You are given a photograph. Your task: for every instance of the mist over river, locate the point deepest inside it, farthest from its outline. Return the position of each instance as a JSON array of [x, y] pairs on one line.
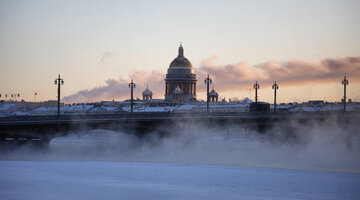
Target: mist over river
[[193, 162]]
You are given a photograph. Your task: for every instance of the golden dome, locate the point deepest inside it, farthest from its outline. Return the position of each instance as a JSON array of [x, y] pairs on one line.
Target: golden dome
[[181, 61]]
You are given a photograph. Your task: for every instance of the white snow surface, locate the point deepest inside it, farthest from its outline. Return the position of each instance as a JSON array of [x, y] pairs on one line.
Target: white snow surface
[[135, 180], [19, 113], [77, 108], [7, 106], [194, 162], [246, 100]]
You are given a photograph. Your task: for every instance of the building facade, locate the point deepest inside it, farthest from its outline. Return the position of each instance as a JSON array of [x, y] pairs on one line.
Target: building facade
[[180, 82]]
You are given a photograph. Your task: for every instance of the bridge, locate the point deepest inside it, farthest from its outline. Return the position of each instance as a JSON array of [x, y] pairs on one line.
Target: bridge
[[41, 129]]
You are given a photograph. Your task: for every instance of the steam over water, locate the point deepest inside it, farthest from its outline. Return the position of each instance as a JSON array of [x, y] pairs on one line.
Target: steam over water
[[316, 146]]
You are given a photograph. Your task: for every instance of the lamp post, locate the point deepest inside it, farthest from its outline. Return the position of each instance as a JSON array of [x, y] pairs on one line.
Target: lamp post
[[345, 82], [14, 95], [207, 81], [59, 81], [256, 87], [275, 87], [132, 86]]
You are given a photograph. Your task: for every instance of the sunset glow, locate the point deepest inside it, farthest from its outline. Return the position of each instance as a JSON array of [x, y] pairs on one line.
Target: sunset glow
[[97, 47]]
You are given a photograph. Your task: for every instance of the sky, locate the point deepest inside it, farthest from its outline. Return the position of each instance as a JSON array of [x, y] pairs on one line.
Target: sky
[[97, 46]]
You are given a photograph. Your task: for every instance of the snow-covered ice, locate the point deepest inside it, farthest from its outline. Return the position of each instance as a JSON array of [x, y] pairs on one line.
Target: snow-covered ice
[[135, 180], [194, 162]]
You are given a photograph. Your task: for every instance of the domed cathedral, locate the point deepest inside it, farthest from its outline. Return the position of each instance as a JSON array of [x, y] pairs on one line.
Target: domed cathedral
[[180, 82]]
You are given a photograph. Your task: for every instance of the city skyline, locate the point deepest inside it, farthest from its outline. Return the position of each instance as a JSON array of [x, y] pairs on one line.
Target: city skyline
[[100, 46]]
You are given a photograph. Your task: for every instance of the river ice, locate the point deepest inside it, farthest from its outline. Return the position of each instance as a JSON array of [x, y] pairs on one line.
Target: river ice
[[137, 180], [192, 163]]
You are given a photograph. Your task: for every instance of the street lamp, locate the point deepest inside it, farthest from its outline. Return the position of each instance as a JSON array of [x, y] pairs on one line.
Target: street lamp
[[275, 87], [256, 87], [132, 86], [13, 95], [207, 81], [59, 81], [345, 82]]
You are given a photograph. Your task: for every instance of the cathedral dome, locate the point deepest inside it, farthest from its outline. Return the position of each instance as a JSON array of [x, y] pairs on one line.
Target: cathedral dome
[[180, 82], [181, 61]]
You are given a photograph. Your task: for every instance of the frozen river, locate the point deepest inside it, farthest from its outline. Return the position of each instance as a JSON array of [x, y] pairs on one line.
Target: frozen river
[[194, 163], [136, 180]]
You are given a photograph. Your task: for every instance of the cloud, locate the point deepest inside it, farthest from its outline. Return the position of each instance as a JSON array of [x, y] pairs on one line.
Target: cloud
[[230, 77], [116, 89], [106, 56], [295, 72]]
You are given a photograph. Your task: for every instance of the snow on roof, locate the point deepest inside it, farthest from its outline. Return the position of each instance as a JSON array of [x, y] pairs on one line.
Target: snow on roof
[[316, 109], [281, 106], [237, 105], [19, 113], [44, 109], [6, 106], [150, 109], [185, 107], [108, 108], [77, 107], [104, 109], [246, 100]]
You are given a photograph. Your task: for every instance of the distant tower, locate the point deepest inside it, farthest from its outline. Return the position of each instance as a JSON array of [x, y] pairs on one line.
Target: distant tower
[[256, 87], [147, 94], [180, 75]]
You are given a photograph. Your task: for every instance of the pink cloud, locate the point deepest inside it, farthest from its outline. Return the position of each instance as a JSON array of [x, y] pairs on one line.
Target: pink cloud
[[295, 72], [116, 89], [231, 77]]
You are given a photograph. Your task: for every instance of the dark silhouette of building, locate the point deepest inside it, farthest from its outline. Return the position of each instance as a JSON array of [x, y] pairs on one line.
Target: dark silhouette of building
[[316, 103], [180, 76], [259, 107]]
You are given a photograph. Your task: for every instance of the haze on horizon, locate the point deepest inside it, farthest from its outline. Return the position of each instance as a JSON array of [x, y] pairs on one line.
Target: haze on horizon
[[308, 46]]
